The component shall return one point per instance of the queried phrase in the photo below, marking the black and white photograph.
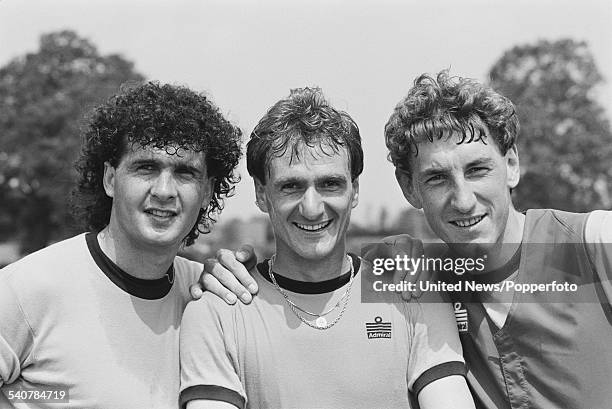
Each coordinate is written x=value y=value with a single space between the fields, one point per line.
x=210 y=204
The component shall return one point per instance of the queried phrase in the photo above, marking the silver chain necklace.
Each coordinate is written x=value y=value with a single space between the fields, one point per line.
x=321 y=322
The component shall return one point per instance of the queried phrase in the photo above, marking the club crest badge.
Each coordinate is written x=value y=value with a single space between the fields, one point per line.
x=378 y=329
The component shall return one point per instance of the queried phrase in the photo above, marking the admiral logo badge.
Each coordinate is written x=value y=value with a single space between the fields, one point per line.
x=378 y=329
x=461 y=316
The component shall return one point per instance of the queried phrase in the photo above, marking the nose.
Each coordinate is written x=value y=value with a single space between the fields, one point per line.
x=311 y=206
x=164 y=186
x=463 y=197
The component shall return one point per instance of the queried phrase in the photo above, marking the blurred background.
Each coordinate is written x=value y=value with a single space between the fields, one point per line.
x=552 y=58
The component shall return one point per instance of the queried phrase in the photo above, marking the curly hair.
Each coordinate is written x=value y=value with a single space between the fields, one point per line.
x=304 y=117
x=447 y=106
x=164 y=117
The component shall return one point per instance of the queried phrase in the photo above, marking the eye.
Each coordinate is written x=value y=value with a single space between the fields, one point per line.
x=145 y=167
x=478 y=171
x=435 y=179
x=289 y=186
x=185 y=172
x=332 y=184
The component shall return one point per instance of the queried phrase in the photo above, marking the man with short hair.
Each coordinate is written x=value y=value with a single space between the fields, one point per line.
x=96 y=317
x=453 y=144
x=307 y=340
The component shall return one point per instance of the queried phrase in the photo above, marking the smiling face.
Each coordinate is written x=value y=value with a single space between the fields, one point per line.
x=157 y=196
x=309 y=199
x=464 y=190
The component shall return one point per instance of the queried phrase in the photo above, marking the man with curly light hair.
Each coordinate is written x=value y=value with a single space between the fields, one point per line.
x=96 y=317
x=453 y=143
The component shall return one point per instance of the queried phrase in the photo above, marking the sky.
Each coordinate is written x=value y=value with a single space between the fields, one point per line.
x=364 y=54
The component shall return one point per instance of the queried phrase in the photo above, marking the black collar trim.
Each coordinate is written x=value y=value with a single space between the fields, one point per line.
x=502 y=273
x=138 y=287
x=309 y=287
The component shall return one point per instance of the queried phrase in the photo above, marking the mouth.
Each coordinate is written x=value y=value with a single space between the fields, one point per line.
x=313 y=228
x=467 y=222
x=161 y=213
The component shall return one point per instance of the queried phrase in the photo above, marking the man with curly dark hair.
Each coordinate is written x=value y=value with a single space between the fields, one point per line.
x=96 y=316
x=453 y=143
x=303 y=343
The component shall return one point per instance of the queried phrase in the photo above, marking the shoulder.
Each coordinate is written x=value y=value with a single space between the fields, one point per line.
x=211 y=302
x=208 y=315
x=598 y=228
x=569 y=220
x=48 y=263
x=552 y=226
x=40 y=279
x=598 y=241
x=216 y=308
x=186 y=264
x=187 y=271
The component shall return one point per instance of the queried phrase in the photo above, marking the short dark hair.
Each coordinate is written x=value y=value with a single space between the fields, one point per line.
x=157 y=116
x=439 y=108
x=306 y=117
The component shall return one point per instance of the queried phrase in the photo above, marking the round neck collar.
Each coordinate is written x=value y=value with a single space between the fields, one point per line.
x=310 y=287
x=138 y=287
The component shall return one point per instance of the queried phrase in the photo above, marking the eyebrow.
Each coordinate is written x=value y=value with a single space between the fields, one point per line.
x=143 y=161
x=332 y=178
x=189 y=167
x=176 y=165
x=325 y=178
x=289 y=179
x=439 y=170
x=432 y=171
x=480 y=161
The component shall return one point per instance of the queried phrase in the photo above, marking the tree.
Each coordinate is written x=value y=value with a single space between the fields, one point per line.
x=44 y=99
x=565 y=143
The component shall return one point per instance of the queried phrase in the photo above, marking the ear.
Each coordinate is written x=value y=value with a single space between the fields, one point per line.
x=260 y=196
x=355 y=200
x=410 y=193
x=108 y=180
x=512 y=167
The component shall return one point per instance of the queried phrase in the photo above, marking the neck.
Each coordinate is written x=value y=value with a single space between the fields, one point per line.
x=148 y=264
x=312 y=270
x=511 y=239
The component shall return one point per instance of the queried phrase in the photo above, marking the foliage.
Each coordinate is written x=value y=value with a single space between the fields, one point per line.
x=565 y=143
x=44 y=99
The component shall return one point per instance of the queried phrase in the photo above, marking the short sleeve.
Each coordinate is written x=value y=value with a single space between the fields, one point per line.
x=16 y=337
x=598 y=241
x=208 y=354
x=435 y=350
